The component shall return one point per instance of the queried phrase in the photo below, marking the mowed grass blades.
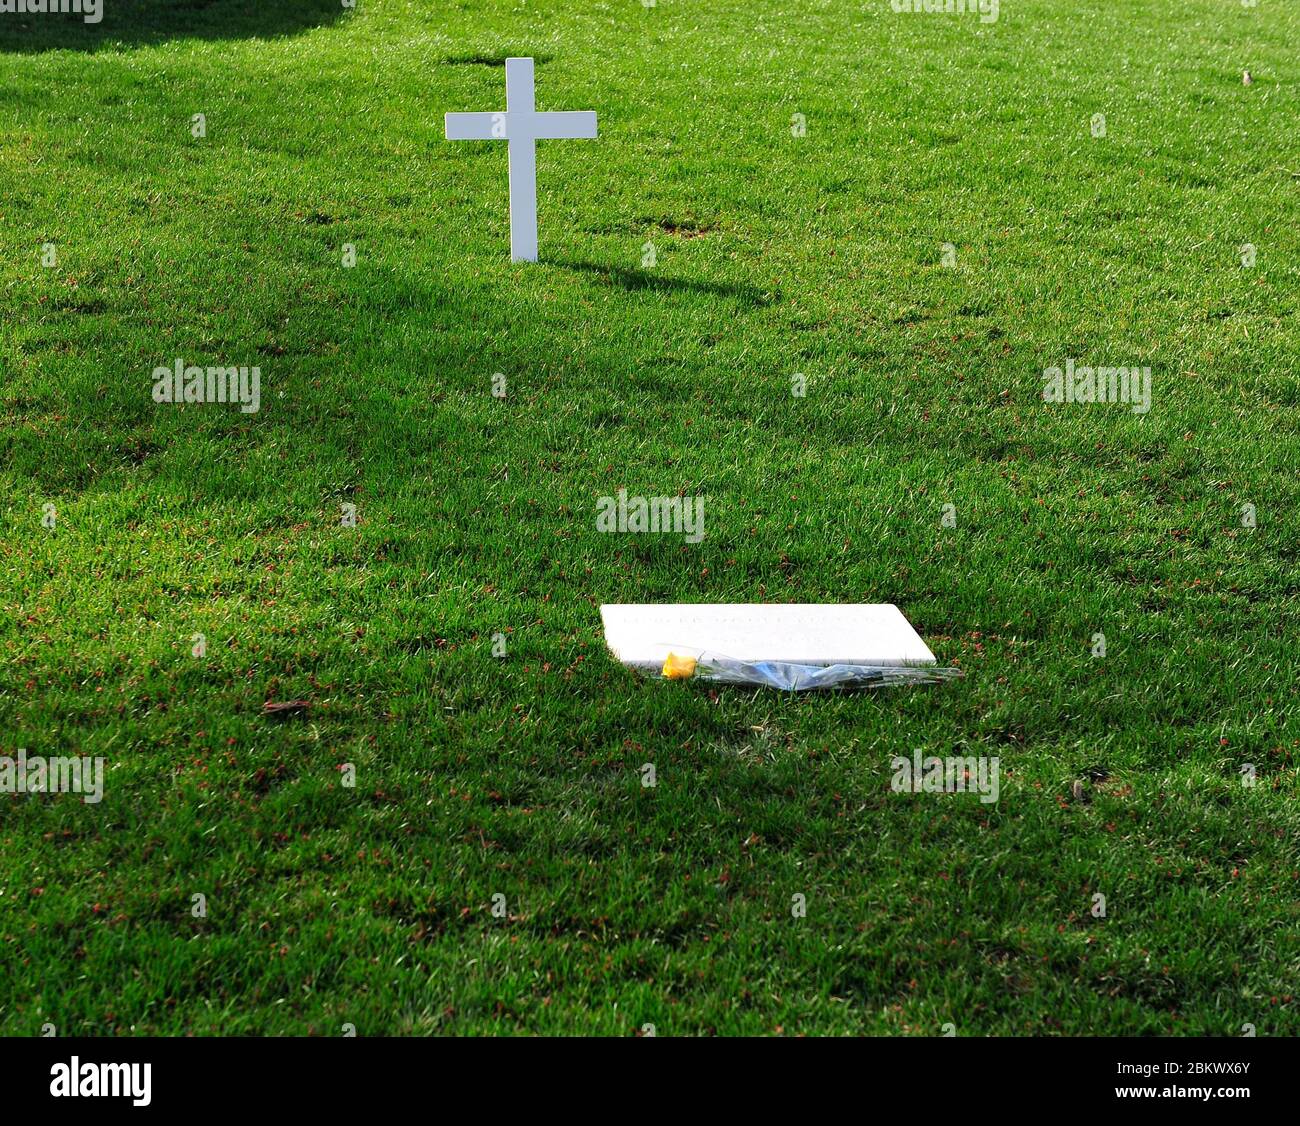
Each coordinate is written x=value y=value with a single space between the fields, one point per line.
x=521 y=778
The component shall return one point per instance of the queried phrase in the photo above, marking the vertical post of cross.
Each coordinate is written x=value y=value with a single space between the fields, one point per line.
x=520 y=106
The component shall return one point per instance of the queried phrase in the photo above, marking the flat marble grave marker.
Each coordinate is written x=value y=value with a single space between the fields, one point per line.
x=642 y=635
x=522 y=126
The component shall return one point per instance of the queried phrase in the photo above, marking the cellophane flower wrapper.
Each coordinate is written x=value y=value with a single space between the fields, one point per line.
x=789 y=676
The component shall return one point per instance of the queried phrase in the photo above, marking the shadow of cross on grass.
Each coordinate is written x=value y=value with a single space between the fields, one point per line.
x=629 y=279
x=141 y=23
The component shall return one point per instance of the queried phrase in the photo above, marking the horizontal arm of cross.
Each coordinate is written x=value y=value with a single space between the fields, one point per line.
x=563 y=124
x=558 y=125
x=475 y=126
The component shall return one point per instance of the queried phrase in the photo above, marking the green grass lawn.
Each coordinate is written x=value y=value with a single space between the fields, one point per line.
x=521 y=777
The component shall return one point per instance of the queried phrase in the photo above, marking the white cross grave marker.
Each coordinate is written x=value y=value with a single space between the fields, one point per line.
x=522 y=126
